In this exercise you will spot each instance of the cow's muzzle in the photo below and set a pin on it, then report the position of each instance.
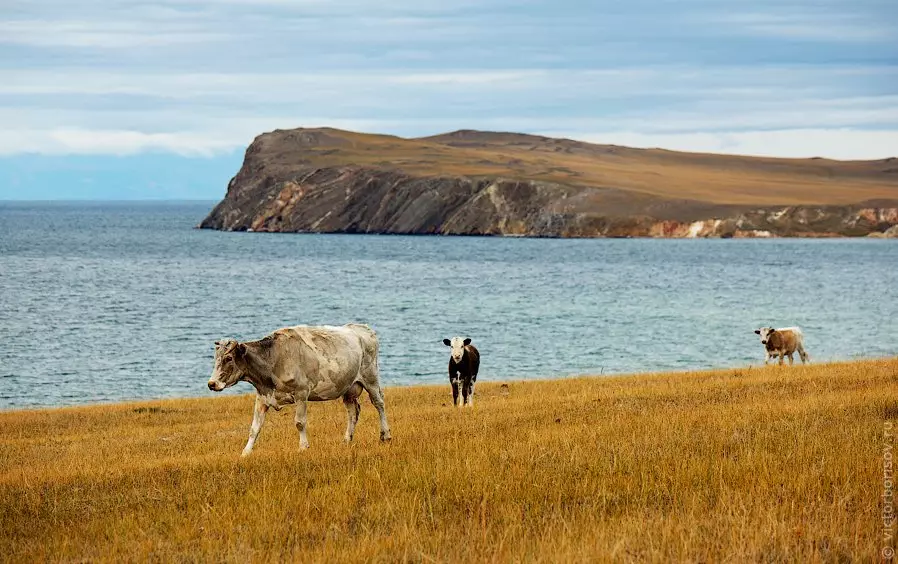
(763, 342)
(215, 387)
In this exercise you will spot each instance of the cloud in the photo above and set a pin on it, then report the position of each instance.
(804, 25)
(760, 81)
(799, 113)
(109, 142)
(200, 77)
(122, 142)
(106, 34)
(843, 144)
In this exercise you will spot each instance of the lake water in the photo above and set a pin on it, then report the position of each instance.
(114, 301)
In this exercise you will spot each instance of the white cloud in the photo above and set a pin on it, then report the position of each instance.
(842, 144)
(490, 77)
(835, 27)
(110, 142)
(200, 77)
(119, 142)
(758, 82)
(105, 34)
(796, 113)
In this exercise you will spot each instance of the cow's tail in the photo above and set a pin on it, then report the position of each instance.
(799, 337)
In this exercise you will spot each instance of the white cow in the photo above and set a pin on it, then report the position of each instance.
(781, 342)
(301, 364)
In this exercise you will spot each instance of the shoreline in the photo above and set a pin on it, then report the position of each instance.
(802, 236)
(247, 391)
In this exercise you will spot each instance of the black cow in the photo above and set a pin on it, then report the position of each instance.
(464, 362)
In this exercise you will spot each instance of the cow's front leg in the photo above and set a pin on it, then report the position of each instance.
(455, 389)
(259, 410)
(351, 401)
(300, 419)
(766, 357)
(782, 358)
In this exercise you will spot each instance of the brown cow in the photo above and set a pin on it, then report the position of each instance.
(782, 342)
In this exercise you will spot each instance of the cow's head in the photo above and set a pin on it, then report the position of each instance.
(765, 333)
(458, 347)
(227, 371)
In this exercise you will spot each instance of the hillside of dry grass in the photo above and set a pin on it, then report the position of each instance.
(751, 464)
(719, 179)
(482, 183)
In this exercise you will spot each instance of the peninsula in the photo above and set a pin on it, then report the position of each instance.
(484, 183)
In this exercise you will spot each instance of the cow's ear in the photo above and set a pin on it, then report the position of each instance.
(447, 342)
(772, 330)
(217, 343)
(467, 342)
(240, 349)
(757, 331)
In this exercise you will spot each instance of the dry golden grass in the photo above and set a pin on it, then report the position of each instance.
(720, 179)
(754, 464)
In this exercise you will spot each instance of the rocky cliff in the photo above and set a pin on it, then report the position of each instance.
(474, 183)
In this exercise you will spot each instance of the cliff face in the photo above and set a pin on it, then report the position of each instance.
(301, 181)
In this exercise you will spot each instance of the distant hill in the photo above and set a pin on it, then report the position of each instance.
(493, 183)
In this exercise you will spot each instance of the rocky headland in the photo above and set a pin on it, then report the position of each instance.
(481, 183)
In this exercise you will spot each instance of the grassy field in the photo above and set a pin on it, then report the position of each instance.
(753, 464)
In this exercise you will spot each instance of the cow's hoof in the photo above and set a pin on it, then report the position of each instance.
(385, 438)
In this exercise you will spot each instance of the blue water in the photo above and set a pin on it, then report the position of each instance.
(103, 302)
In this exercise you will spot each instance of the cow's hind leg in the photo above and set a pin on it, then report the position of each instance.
(467, 391)
(377, 399)
(471, 397)
(300, 420)
(370, 380)
(259, 410)
(351, 402)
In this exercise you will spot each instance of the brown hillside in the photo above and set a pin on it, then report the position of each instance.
(484, 183)
(724, 179)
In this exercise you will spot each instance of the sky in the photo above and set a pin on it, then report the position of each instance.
(132, 99)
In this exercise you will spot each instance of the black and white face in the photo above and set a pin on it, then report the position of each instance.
(765, 333)
(226, 372)
(457, 345)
